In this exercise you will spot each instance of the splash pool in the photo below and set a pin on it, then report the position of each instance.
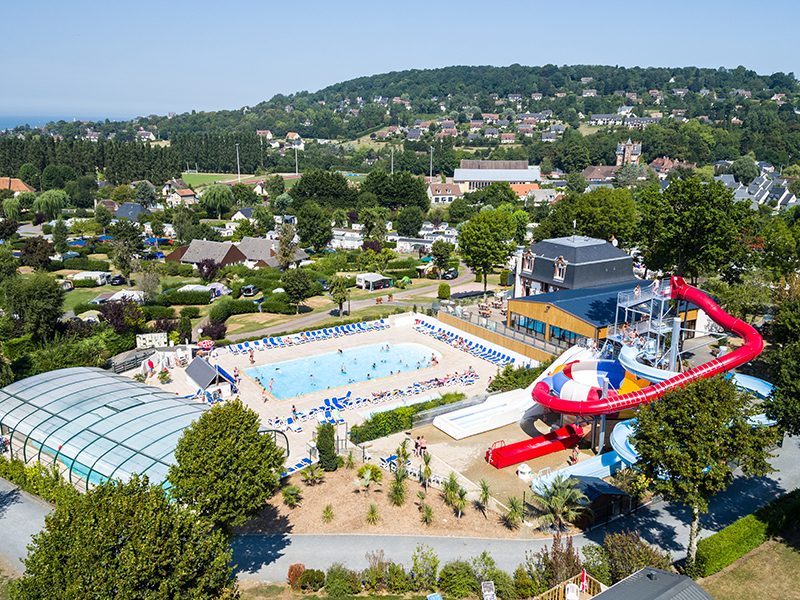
(327, 371)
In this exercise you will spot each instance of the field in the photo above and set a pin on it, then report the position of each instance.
(74, 297)
(206, 178)
(769, 571)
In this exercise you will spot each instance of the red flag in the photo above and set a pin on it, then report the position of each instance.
(584, 583)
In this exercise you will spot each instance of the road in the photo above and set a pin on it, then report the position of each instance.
(267, 557)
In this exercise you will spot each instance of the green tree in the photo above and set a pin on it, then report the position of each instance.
(8, 228)
(560, 501)
(29, 174)
(689, 440)
(282, 203)
(602, 213)
(123, 193)
(275, 186)
(60, 236)
(326, 446)
(51, 203)
(744, 170)
(441, 252)
(286, 247)
(102, 216)
(217, 199)
(243, 229)
(339, 218)
(182, 222)
(224, 468)
(297, 285)
(8, 264)
(374, 224)
(692, 227)
(576, 182)
(144, 194)
(120, 539)
(409, 221)
(521, 220)
(338, 289)
(51, 178)
(37, 301)
(11, 209)
(744, 299)
(783, 405)
(628, 175)
(314, 226)
(124, 261)
(484, 242)
(244, 195)
(36, 253)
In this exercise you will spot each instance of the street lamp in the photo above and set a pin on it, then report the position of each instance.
(238, 172)
(348, 302)
(431, 162)
(295, 160)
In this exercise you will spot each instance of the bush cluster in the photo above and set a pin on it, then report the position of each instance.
(176, 269)
(717, 551)
(225, 308)
(183, 298)
(41, 481)
(86, 264)
(84, 283)
(153, 312)
(278, 308)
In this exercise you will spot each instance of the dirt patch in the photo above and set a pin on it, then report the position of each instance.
(317, 301)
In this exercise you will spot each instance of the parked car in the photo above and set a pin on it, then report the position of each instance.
(118, 280)
(249, 290)
(451, 273)
(324, 283)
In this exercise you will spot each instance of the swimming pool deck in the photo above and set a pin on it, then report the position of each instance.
(451, 361)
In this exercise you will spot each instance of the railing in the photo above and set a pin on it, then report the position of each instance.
(131, 363)
(639, 295)
(593, 588)
(426, 417)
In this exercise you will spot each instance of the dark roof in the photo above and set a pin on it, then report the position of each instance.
(246, 212)
(594, 487)
(202, 373)
(597, 306)
(654, 584)
(590, 262)
(129, 210)
(223, 253)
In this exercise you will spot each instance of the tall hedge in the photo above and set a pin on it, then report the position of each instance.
(326, 446)
(717, 551)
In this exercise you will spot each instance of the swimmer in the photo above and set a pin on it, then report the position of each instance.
(311, 375)
(368, 376)
(278, 369)
(343, 371)
(339, 350)
(373, 365)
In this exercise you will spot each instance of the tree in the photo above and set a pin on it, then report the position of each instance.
(314, 226)
(51, 203)
(224, 468)
(374, 224)
(326, 446)
(51, 178)
(338, 289)
(441, 251)
(286, 247)
(603, 213)
(103, 216)
(744, 299)
(36, 253)
(692, 227)
(11, 209)
(521, 220)
(689, 441)
(125, 316)
(8, 228)
(38, 302)
(243, 229)
(275, 186)
(120, 539)
(409, 221)
(8, 264)
(629, 175)
(339, 218)
(263, 218)
(281, 203)
(484, 242)
(144, 194)
(576, 182)
(217, 199)
(128, 232)
(561, 502)
(60, 236)
(244, 195)
(203, 231)
(123, 193)
(297, 285)
(744, 170)
(783, 405)
(208, 269)
(123, 259)
(29, 174)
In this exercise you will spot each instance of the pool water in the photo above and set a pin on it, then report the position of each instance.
(326, 371)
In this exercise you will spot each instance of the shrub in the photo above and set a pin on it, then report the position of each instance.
(86, 264)
(84, 283)
(165, 325)
(327, 514)
(426, 515)
(628, 552)
(373, 516)
(216, 330)
(425, 568)
(153, 312)
(17, 347)
(555, 564)
(397, 580)
(341, 581)
(374, 576)
(525, 585)
(291, 496)
(184, 298)
(47, 229)
(504, 585)
(293, 577)
(458, 579)
(45, 482)
(326, 447)
(190, 311)
(312, 580)
(444, 291)
(719, 550)
(278, 308)
(504, 275)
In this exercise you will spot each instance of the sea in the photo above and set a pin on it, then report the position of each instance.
(11, 121)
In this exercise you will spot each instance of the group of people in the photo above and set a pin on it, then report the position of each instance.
(420, 446)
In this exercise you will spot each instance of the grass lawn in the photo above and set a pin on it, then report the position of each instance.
(78, 295)
(206, 178)
(766, 572)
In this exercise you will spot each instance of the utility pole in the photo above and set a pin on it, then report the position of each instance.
(392, 161)
(238, 171)
(295, 160)
(431, 162)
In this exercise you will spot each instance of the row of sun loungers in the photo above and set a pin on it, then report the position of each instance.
(297, 467)
(455, 340)
(308, 336)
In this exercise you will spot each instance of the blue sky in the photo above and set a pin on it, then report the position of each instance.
(91, 59)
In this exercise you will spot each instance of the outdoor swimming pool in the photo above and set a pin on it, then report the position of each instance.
(315, 373)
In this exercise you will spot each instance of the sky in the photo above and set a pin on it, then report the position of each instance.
(95, 60)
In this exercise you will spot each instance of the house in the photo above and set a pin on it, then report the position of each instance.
(475, 179)
(292, 136)
(473, 136)
(467, 163)
(548, 196)
(130, 211)
(680, 92)
(145, 136)
(346, 239)
(475, 125)
(490, 117)
(585, 80)
(413, 135)
(260, 252)
(523, 190)
(508, 138)
(444, 193)
(640, 122)
(571, 263)
(491, 132)
(182, 197)
(605, 119)
(526, 130)
(109, 204)
(222, 253)
(557, 128)
(536, 96)
(265, 133)
(243, 213)
(172, 185)
(649, 583)
(589, 94)
(599, 174)
(134, 184)
(202, 376)
(629, 153)
(549, 136)
(662, 166)
(15, 185)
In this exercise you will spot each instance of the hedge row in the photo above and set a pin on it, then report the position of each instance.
(86, 264)
(225, 308)
(392, 421)
(44, 482)
(175, 268)
(183, 298)
(717, 551)
(152, 312)
(85, 283)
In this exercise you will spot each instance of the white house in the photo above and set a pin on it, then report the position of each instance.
(346, 239)
(444, 193)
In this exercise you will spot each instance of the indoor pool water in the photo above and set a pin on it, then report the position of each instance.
(315, 373)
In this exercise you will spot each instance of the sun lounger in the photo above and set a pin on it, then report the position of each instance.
(337, 417)
(233, 349)
(293, 426)
(329, 417)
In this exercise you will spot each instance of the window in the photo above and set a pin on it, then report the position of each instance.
(562, 335)
(532, 327)
(560, 269)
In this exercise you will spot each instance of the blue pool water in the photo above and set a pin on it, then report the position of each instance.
(315, 373)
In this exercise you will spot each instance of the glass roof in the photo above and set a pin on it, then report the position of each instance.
(97, 424)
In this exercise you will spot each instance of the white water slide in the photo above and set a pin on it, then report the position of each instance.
(502, 409)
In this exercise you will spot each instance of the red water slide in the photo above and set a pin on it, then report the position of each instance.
(679, 289)
(504, 456)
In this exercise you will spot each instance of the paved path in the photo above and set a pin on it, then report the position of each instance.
(267, 557)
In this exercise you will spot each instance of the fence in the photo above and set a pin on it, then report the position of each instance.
(131, 363)
(593, 588)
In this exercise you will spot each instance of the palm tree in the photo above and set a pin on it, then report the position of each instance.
(561, 502)
(426, 469)
(484, 496)
(327, 514)
(451, 487)
(397, 491)
(427, 514)
(516, 511)
(460, 501)
(373, 516)
(367, 475)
